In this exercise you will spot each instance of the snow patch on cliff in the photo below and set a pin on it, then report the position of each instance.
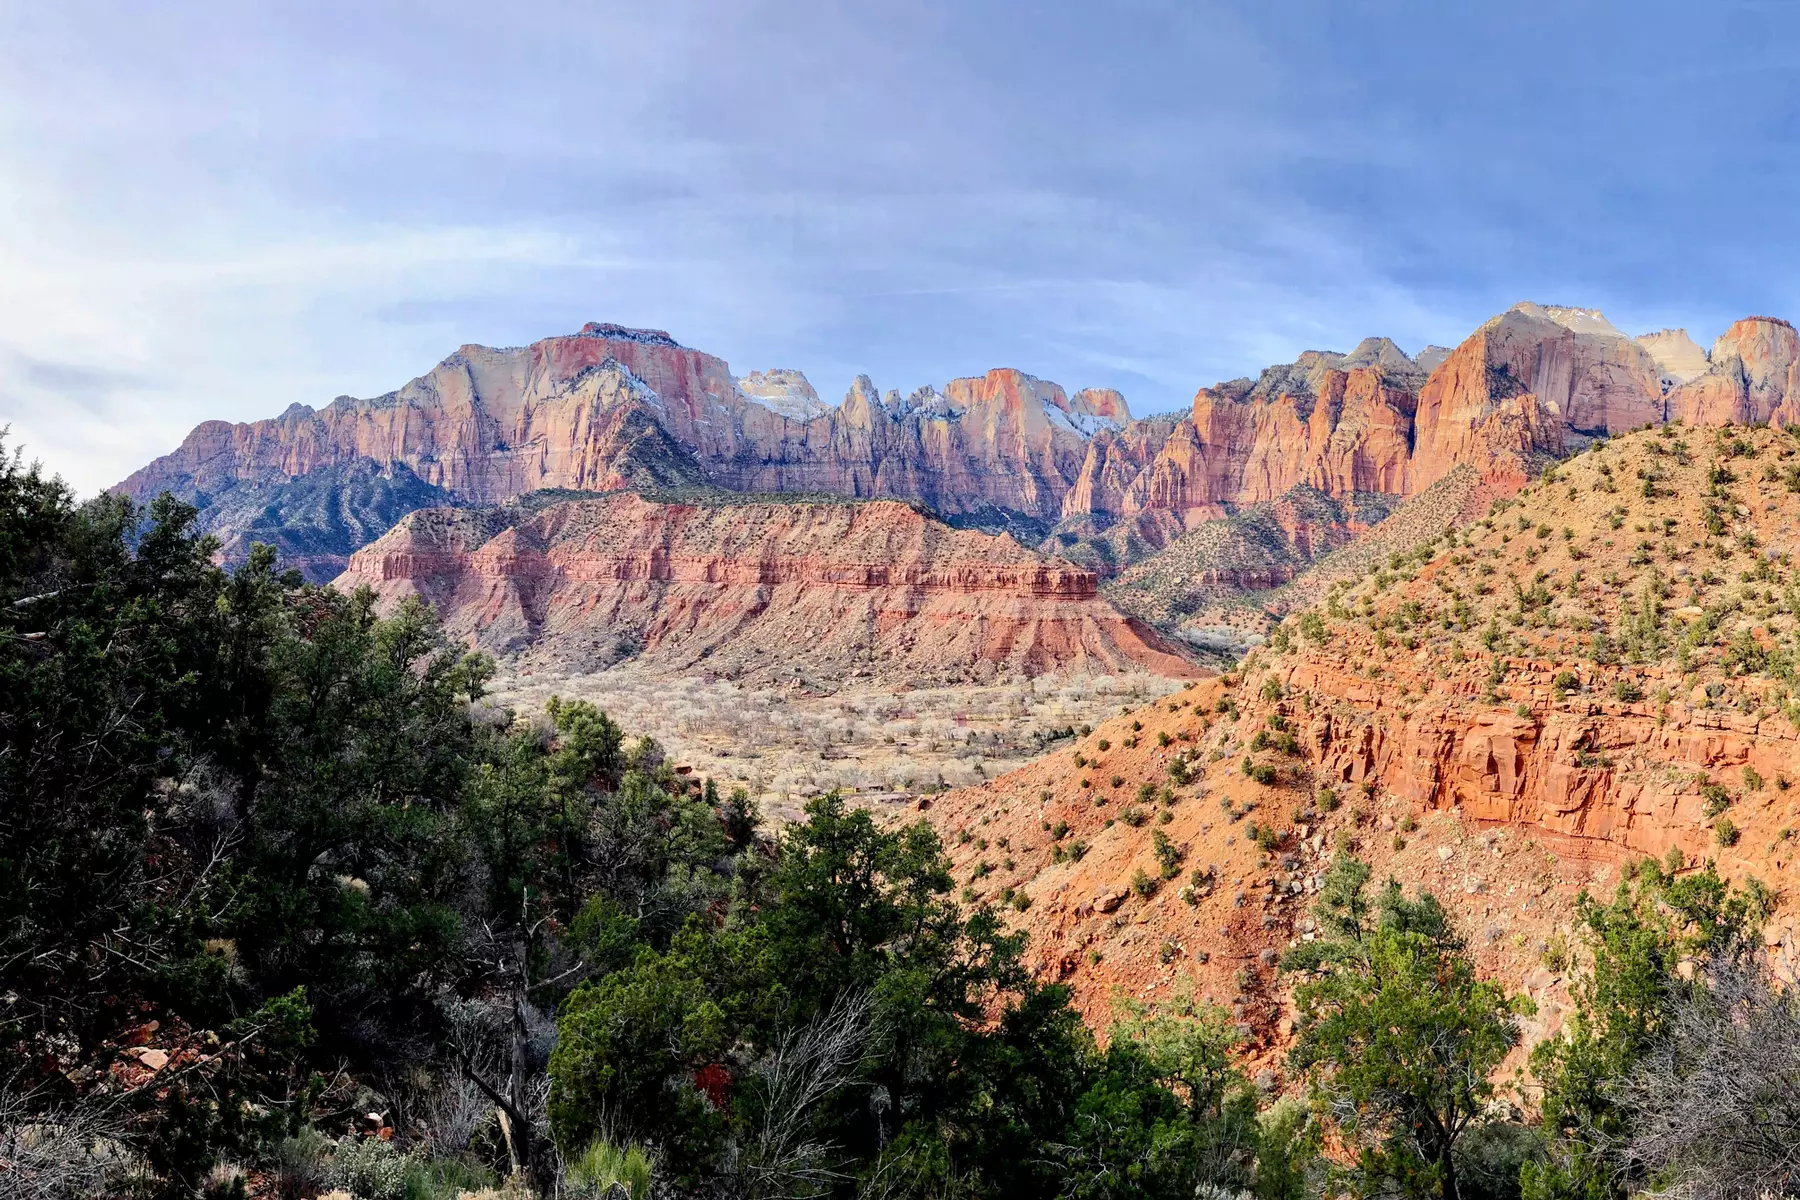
(783, 391)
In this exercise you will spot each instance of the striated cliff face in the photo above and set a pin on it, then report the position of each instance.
(1753, 376)
(611, 407)
(1510, 397)
(487, 425)
(754, 590)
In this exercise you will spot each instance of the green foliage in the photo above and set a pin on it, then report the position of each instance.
(1168, 854)
(1397, 1034)
(1637, 942)
(1167, 1112)
(368, 1168)
(604, 1170)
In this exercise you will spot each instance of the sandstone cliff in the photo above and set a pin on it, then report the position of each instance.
(613, 407)
(754, 589)
(1677, 355)
(1753, 376)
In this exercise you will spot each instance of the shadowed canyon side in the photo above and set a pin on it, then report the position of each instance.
(755, 590)
(1597, 668)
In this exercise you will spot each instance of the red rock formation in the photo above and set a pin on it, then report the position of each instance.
(488, 425)
(1473, 739)
(757, 590)
(1754, 376)
(569, 412)
(1507, 398)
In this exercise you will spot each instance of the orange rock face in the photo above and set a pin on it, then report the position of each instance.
(1754, 377)
(1507, 399)
(755, 590)
(489, 425)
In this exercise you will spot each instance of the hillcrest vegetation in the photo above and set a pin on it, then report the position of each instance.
(284, 912)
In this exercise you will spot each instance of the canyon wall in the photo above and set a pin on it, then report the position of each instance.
(758, 590)
(611, 407)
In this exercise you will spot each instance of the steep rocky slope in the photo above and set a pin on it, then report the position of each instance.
(1602, 667)
(746, 588)
(1258, 548)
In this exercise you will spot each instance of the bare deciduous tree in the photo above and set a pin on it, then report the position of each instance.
(1717, 1101)
(807, 1067)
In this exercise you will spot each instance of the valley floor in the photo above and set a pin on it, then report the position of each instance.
(879, 744)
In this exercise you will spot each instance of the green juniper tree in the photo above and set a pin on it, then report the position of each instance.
(1397, 1033)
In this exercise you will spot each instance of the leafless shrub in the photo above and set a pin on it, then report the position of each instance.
(806, 1068)
(71, 1153)
(454, 1111)
(1717, 1102)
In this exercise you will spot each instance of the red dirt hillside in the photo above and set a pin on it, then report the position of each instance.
(1602, 668)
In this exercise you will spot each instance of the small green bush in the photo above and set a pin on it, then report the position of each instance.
(369, 1169)
(604, 1167)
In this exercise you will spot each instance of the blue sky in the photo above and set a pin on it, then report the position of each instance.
(211, 210)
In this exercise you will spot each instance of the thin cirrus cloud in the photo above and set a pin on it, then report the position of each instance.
(213, 209)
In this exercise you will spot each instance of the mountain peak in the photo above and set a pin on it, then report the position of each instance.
(1380, 352)
(783, 391)
(1577, 320)
(623, 333)
(1678, 356)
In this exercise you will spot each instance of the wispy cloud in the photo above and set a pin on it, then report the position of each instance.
(215, 209)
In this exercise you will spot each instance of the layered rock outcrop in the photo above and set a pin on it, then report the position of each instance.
(755, 589)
